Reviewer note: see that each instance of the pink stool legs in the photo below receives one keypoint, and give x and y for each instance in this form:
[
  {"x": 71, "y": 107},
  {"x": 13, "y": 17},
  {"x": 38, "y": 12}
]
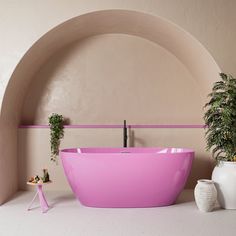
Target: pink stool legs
[{"x": 42, "y": 199}]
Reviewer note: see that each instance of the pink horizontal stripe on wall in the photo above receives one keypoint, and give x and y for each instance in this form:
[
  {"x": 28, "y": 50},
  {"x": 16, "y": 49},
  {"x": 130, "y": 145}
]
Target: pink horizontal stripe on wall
[{"x": 119, "y": 126}]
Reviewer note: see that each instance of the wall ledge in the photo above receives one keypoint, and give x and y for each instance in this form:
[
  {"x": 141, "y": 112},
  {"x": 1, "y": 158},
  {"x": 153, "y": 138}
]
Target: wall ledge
[{"x": 174, "y": 126}]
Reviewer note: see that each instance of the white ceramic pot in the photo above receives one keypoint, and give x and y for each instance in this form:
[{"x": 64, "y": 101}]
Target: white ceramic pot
[
  {"x": 205, "y": 195},
  {"x": 224, "y": 176}
]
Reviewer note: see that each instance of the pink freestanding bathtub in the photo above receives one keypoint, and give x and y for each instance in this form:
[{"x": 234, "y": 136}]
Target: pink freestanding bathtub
[{"x": 127, "y": 177}]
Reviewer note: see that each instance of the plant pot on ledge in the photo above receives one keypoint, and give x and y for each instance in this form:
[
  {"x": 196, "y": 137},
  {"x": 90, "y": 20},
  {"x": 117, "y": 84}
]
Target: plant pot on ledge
[
  {"x": 220, "y": 119},
  {"x": 224, "y": 176}
]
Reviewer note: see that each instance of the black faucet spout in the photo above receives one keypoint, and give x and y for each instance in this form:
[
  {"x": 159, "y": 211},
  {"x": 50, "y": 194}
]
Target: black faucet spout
[{"x": 125, "y": 136}]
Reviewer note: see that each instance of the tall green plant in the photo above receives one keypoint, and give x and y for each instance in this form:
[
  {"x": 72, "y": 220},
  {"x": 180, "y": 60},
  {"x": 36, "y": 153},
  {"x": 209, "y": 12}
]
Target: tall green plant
[
  {"x": 56, "y": 134},
  {"x": 220, "y": 117}
]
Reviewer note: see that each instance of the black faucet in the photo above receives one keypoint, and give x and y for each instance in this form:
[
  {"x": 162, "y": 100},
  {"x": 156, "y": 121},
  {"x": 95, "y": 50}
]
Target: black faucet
[{"x": 125, "y": 136}]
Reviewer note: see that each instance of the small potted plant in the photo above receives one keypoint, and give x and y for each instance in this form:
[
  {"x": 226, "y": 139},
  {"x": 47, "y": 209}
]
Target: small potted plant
[
  {"x": 220, "y": 118},
  {"x": 56, "y": 134}
]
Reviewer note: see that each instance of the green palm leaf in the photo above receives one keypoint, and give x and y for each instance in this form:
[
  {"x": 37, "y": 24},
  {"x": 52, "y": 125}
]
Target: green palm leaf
[{"x": 220, "y": 117}]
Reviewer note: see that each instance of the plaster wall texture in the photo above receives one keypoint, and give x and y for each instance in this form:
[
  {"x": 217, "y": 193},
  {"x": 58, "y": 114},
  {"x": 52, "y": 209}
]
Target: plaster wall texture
[
  {"x": 211, "y": 22},
  {"x": 107, "y": 78},
  {"x": 33, "y": 151},
  {"x": 23, "y": 23}
]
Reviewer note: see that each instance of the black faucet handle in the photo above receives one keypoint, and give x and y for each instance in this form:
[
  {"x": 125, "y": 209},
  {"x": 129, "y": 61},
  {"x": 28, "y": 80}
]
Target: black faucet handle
[{"x": 125, "y": 136}]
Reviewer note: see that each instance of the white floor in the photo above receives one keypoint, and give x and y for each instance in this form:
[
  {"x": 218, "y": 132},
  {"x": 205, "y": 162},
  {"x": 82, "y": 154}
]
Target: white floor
[{"x": 68, "y": 218}]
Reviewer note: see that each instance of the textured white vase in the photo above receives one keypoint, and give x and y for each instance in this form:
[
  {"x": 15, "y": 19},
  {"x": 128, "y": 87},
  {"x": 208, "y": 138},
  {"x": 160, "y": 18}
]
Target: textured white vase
[
  {"x": 224, "y": 176},
  {"x": 205, "y": 195}
]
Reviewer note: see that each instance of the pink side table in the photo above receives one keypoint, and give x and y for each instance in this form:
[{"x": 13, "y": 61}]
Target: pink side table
[{"x": 39, "y": 192}]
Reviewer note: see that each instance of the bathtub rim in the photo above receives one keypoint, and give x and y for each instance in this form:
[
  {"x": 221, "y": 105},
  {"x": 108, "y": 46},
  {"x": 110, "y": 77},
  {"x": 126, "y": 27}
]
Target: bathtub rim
[{"x": 74, "y": 150}]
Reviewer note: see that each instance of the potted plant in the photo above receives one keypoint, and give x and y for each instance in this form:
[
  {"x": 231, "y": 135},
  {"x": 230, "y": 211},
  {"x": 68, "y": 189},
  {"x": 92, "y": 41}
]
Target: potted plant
[
  {"x": 56, "y": 134},
  {"x": 220, "y": 118}
]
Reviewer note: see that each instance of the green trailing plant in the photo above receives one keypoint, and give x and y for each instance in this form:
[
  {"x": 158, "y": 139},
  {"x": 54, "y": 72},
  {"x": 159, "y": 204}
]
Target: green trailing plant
[
  {"x": 56, "y": 134},
  {"x": 220, "y": 118}
]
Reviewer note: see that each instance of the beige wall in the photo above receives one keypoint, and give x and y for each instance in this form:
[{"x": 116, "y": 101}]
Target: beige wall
[
  {"x": 211, "y": 22},
  {"x": 105, "y": 79},
  {"x": 34, "y": 149},
  {"x": 102, "y": 80}
]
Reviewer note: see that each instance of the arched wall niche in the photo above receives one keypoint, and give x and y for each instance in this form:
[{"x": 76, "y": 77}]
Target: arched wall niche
[
  {"x": 84, "y": 80},
  {"x": 188, "y": 50}
]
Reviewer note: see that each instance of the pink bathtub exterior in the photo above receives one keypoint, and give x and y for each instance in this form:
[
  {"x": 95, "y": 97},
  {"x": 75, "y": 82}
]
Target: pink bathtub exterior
[{"x": 127, "y": 177}]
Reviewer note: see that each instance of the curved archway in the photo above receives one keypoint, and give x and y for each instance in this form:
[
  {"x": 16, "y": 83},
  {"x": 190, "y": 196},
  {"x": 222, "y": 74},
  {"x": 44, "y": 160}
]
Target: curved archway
[{"x": 177, "y": 41}]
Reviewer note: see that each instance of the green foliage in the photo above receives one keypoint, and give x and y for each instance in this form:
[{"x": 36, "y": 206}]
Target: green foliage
[
  {"x": 220, "y": 117},
  {"x": 56, "y": 134}
]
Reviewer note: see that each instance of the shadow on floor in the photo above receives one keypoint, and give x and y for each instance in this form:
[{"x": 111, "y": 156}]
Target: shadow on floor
[
  {"x": 186, "y": 197},
  {"x": 68, "y": 197}
]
